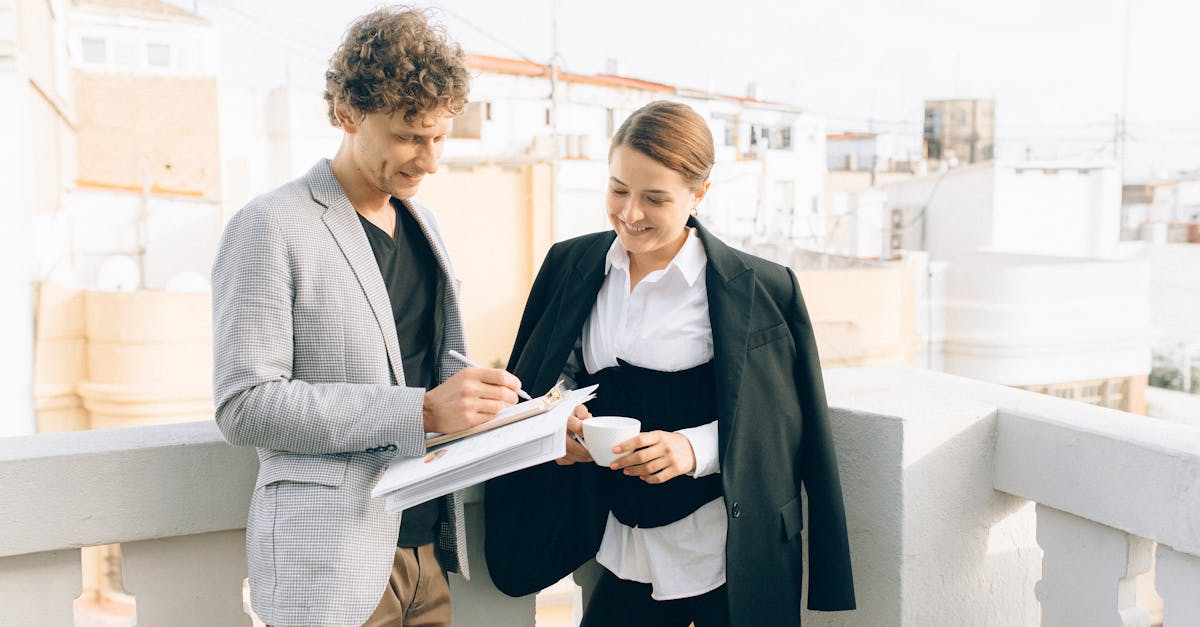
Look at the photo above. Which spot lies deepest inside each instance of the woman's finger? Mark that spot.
(640, 456)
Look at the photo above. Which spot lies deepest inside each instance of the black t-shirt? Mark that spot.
(411, 274)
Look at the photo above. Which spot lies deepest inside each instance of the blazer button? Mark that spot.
(390, 448)
(735, 510)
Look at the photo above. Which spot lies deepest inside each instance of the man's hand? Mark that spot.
(657, 457)
(472, 396)
(575, 451)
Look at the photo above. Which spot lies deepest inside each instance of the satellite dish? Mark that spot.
(119, 274)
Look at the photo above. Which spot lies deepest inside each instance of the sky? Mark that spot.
(1062, 71)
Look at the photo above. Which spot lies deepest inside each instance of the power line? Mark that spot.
(485, 32)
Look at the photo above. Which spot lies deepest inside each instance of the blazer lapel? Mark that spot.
(342, 221)
(578, 296)
(453, 336)
(730, 286)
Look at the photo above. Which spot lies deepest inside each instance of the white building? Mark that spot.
(1026, 285)
(1072, 327)
(37, 155)
(768, 181)
(1067, 209)
(768, 178)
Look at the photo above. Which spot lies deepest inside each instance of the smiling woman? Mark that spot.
(695, 521)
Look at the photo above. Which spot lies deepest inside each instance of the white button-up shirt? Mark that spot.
(661, 324)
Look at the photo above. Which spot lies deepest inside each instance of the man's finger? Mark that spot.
(503, 378)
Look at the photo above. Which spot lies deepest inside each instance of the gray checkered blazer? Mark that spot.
(307, 369)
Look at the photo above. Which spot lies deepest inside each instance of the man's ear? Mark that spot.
(345, 117)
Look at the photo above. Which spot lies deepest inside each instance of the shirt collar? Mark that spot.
(689, 261)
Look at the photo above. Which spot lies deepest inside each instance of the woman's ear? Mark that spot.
(701, 193)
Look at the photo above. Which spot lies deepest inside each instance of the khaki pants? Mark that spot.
(417, 594)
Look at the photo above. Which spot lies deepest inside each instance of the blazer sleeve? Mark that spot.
(258, 402)
(830, 582)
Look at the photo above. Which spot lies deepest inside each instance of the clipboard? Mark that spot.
(507, 416)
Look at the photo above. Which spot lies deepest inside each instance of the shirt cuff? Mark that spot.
(704, 447)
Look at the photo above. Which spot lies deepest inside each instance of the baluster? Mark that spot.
(1178, 578)
(39, 588)
(477, 603)
(1089, 572)
(188, 580)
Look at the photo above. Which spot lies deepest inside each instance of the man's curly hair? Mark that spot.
(393, 61)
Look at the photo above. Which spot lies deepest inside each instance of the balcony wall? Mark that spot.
(968, 504)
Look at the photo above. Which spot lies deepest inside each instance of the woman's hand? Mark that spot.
(575, 451)
(657, 457)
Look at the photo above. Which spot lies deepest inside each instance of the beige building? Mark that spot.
(961, 130)
(863, 311)
(496, 223)
(147, 93)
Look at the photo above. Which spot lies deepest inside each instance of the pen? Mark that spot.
(463, 358)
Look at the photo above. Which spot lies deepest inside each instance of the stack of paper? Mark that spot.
(474, 459)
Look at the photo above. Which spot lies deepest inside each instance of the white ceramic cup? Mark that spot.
(602, 433)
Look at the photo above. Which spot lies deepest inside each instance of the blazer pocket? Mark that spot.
(767, 335)
(791, 519)
(321, 470)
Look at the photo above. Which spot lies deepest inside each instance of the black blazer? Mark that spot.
(774, 436)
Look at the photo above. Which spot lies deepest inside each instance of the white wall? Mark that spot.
(580, 203)
(956, 207)
(180, 236)
(269, 137)
(16, 251)
(931, 542)
(1057, 209)
(1175, 291)
(1046, 208)
(732, 205)
(1025, 320)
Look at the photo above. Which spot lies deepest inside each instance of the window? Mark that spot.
(609, 122)
(94, 50)
(781, 138)
(158, 55)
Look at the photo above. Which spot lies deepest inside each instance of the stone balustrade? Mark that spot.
(967, 504)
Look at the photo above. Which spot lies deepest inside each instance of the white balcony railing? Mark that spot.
(968, 504)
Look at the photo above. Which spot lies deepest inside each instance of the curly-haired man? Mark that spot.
(334, 310)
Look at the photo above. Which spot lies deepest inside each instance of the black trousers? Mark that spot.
(619, 603)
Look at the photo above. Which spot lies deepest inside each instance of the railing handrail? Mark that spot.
(65, 490)
(1129, 472)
